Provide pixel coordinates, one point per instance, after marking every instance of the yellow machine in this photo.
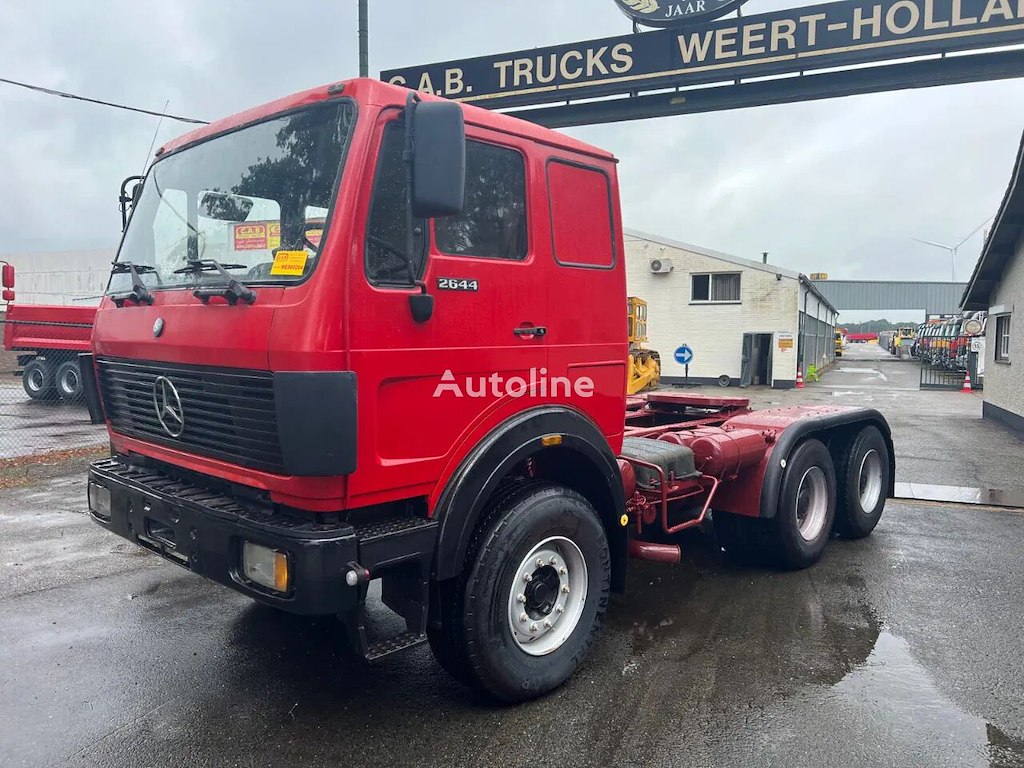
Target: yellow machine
(644, 370)
(839, 344)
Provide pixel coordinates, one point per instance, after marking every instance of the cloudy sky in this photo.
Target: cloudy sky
(840, 186)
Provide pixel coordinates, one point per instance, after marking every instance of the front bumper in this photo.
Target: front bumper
(204, 531)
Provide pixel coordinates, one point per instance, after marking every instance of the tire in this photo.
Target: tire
(480, 630)
(445, 627)
(863, 477)
(37, 379)
(803, 522)
(68, 381)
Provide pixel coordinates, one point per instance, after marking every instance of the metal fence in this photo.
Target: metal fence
(817, 343)
(940, 378)
(40, 432)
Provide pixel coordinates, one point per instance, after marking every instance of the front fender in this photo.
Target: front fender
(510, 443)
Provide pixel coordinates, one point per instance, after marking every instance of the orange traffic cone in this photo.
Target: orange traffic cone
(967, 383)
(799, 378)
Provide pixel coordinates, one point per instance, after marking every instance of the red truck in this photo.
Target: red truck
(47, 341)
(431, 394)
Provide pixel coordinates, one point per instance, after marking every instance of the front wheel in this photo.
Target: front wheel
(530, 602)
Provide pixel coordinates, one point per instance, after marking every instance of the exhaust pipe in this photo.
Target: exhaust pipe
(656, 553)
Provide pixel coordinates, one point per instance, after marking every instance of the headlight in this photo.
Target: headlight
(99, 501)
(265, 566)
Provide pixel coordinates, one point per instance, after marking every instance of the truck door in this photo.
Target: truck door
(423, 386)
(587, 337)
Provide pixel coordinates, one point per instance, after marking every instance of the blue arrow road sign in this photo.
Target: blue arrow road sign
(684, 355)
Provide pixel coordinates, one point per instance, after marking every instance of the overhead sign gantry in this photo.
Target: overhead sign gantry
(726, 52)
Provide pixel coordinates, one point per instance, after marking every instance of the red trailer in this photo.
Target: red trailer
(47, 341)
(431, 392)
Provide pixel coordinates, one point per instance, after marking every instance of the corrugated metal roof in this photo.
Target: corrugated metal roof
(883, 295)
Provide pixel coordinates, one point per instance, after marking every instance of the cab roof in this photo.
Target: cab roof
(375, 92)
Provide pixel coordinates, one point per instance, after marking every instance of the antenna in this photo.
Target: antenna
(149, 154)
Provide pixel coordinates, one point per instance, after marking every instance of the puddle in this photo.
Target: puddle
(994, 497)
(894, 698)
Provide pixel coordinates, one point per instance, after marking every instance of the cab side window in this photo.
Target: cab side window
(386, 229)
(493, 222)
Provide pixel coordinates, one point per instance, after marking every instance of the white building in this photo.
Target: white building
(747, 322)
(997, 285)
(76, 278)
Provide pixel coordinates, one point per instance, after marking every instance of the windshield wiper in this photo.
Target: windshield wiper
(139, 293)
(233, 291)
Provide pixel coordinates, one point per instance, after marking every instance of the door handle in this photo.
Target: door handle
(530, 331)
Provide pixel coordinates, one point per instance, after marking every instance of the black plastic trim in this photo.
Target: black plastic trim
(90, 388)
(316, 422)
(512, 442)
(809, 427)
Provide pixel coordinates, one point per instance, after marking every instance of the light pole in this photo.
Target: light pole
(364, 40)
(955, 249)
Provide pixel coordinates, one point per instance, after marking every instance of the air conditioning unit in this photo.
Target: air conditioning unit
(661, 266)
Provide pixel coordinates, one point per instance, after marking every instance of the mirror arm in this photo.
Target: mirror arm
(411, 101)
(420, 304)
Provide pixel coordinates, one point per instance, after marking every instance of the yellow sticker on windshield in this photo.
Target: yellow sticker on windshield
(289, 263)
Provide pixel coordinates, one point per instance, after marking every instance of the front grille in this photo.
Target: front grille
(228, 413)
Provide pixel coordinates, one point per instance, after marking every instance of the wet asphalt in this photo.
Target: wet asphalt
(901, 649)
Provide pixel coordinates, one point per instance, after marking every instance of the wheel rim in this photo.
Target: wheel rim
(869, 480)
(69, 382)
(812, 503)
(35, 380)
(547, 596)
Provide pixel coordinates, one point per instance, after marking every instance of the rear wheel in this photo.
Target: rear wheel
(37, 379)
(69, 380)
(863, 483)
(807, 507)
(522, 616)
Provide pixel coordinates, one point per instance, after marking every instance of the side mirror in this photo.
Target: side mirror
(439, 159)
(7, 272)
(127, 200)
(421, 304)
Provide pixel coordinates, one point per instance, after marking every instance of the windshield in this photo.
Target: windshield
(256, 200)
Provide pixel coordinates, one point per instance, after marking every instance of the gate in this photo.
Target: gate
(939, 378)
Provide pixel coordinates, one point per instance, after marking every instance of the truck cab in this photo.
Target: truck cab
(351, 309)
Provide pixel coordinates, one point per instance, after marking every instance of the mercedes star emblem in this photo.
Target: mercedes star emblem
(167, 404)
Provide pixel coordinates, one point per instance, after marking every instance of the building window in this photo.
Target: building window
(1002, 350)
(493, 222)
(715, 287)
